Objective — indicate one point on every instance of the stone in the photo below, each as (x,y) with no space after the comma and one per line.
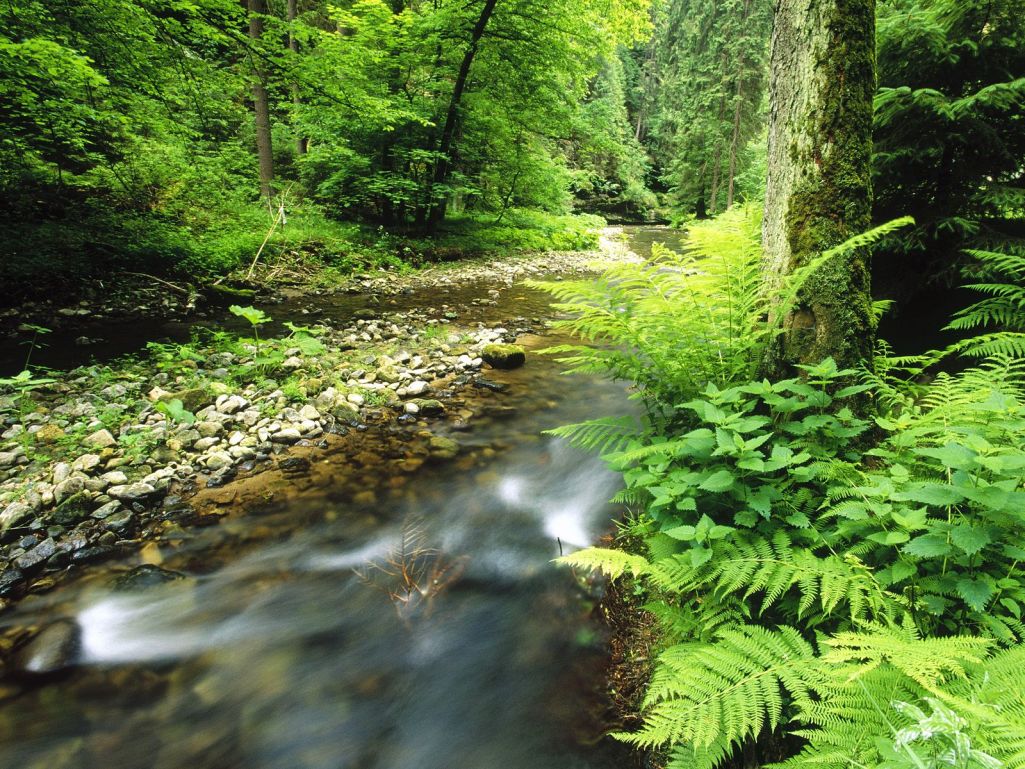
(10,458)
(206,443)
(417,387)
(100,439)
(291,364)
(73,509)
(61,472)
(49,433)
(118,521)
(106,510)
(429,406)
(68,488)
(37,556)
(504,356)
(11,581)
(231,404)
(309,412)
(192,399)
(15,514)
(218,460)
(144,577)
(86,462)
(487,384)
(132,492)
(287,435)
(115,478)
(443,448)
(52,650)
(412,408)
(209,429)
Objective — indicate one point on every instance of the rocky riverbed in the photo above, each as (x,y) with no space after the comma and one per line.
(107,460)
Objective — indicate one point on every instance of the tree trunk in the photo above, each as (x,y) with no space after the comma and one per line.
(717,162)
(822,79)
(444,163)
(738,100)
(301,142)
(261,105)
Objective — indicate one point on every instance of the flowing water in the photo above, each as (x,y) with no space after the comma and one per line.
(423,628)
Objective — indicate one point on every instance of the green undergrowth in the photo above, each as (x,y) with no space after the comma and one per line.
(85,237)
(835,559)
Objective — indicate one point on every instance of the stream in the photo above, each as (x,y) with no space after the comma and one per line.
(425,627)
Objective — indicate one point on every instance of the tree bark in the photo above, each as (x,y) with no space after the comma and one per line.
(301,142)
(443,166)
(822,80)
(261,104)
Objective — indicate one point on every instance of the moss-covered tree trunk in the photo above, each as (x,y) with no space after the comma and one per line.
(819,187)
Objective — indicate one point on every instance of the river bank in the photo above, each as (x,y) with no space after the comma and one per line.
(104,459)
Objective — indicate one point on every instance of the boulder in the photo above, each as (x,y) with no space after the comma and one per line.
(504,356)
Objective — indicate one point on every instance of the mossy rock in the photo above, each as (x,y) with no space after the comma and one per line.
(504,356)
(429,406)
(443,448)
(49,433)
(193,399)
(75,508)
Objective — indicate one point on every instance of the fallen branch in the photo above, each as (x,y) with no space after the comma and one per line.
(155,279)
(270,232)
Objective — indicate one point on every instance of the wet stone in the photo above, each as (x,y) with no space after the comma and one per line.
(144,577)
(37,556)
(488,384)
(294,465)
(10,581)
(53,650)
(93,554)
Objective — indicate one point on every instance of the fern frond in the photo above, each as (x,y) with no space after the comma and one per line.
(611,563)
(726,691)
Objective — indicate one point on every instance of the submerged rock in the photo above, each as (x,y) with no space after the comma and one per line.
(52,650)
(146,576)
(504,356)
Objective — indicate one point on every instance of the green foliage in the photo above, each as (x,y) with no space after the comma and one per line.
(710,111)
(815,547)
(949,148)
(677,322)
(175,411)
(1000,276)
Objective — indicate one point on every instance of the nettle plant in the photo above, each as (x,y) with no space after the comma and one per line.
(778,518)
(813,547)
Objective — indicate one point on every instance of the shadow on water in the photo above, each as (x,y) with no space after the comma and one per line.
(433,633)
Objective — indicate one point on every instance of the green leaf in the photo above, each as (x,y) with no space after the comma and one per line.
(936,494)
(975,592)
(718,482)
(682,533)
(970,539)
(700,556)
(928,546)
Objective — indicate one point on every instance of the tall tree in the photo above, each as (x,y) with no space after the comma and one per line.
(261,101)
(443,165)
(818,192)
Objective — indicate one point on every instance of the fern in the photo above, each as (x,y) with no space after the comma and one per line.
(717,694)
(611,563)
(1003,309)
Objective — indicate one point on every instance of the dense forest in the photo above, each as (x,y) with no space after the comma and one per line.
(289,472)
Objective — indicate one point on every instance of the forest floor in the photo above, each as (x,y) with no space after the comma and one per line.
(106,460)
